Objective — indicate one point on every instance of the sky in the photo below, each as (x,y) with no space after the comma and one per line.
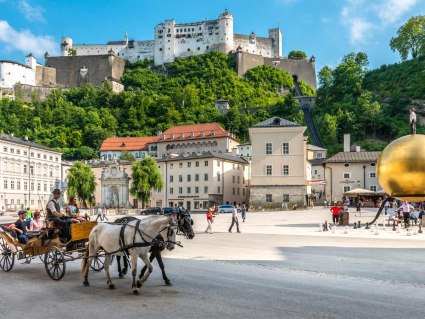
(327,29)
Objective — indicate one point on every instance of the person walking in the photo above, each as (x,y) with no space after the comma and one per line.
(386,206)
(104,213)
(99,214)
(210,220)
(407,209)
(244,209)
(412,121)
(335,213)
(234,220)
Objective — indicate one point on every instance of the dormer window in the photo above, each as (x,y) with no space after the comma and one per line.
(171,136)
(123,144)
(162,136)
(212,132)
(202,134)
(192,134)
(181,135)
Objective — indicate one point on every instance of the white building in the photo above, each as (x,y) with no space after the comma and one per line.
(28,173)
(280,173)
(245,149)
(12,72)
(173,40)
(199,180)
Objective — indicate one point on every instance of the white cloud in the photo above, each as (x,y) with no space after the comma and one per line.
(359,30)
(31,13)
(25,41)
(390,11)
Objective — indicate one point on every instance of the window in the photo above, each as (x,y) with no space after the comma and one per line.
(4,149)
(189,177)
(171,178)
(180,190)
(373,188)
(45,187)
(188,190)
(45,156)
(319,155)
(239,191)
(233,191)
(372,174)
(233,178)
(189,164)
(171,166)
(180,165)
(285,148)
(218,176)
(347,175)
(18,185)
(12,151)
(269,170)
(25,153)
(206,189)
(197,163)
(38,155)
(269,198)
(347,188)
(25,186)
(239,179)
(12,184)
(206,163)
(269,147)
(180,178)
(205,177)
(218,163)
(218,189)
(32,154)
(18,152)
(5,184)
(32,202)
(196,190)
(196,177)
(285,169)
(38,186)
(32,186)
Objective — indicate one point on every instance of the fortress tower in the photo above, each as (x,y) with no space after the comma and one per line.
(225,24)
(66,44)
(276,36)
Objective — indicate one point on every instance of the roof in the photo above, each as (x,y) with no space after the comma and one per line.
(275,122)
(354,157)
(116,43)
(127,143)
(194,132)
(22,141)
(315,148)
(317,161)
(208,154)
(14,62)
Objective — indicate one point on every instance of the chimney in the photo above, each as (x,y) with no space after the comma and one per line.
(358,149)
(346,142)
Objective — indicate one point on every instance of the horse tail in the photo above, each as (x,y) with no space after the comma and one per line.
(85,261)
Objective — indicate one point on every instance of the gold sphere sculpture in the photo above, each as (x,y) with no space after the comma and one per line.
(401,168)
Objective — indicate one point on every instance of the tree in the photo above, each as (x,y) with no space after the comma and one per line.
(127,156)
(410,38)
(297,55)
(81,182)
(145,176)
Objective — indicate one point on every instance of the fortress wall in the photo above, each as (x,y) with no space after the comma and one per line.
(27,91)
(99,67)
(45,75)
(246,61)
(139,51)
(302,68)
(261,46)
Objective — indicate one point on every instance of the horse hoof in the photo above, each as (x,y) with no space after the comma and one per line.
(138,284)
(111,286)
(168,283)
(86,284)
(135,292)
(121,276)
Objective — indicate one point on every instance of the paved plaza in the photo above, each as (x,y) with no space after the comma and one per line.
(279,266)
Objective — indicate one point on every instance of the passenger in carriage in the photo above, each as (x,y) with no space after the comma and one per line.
(54,214)
(36,224)
(20,227)
(73,211)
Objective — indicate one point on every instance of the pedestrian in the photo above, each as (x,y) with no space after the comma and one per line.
(104,213)
(386,206)
(412,121)
(359,206)
(210,220)
(234,220)
(99,213)
(28,217)
(407,209)
(244,209)
(335,213)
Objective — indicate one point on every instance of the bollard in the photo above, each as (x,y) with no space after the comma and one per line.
(415,232)
(346,230)
(372,228)
(320,228)
(355,225)
(409,233)
(420,228)
(394,225)
(399,228)
(383,222)
(358,226)
(333,229)
(367,226)
(376,229)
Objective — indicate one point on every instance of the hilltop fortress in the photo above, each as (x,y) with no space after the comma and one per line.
(173,40)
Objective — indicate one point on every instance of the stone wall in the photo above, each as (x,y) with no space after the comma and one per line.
(98,67)
(296,193)
(45,76)
(26,92)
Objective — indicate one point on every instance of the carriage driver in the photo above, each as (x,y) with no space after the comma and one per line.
(54,214)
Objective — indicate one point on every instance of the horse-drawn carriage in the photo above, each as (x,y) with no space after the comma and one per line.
(47,245)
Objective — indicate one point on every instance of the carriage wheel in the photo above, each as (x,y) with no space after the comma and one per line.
(7,257)
(97,263)
(54,262)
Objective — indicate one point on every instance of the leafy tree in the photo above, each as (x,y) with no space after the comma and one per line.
(126,155)
(410,38)
(145,176)
(81,182)
(72,52)
(297,55)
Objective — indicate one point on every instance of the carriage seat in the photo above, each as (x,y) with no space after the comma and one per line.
(7,229)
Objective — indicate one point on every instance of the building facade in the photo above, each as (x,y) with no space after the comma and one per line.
(172,40)
(199,180)
(112,147)
(28,173)
(279,171)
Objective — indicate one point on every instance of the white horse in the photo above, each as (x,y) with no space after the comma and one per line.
(138,235)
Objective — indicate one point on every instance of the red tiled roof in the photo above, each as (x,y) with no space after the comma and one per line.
(127,143)
(194,132)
